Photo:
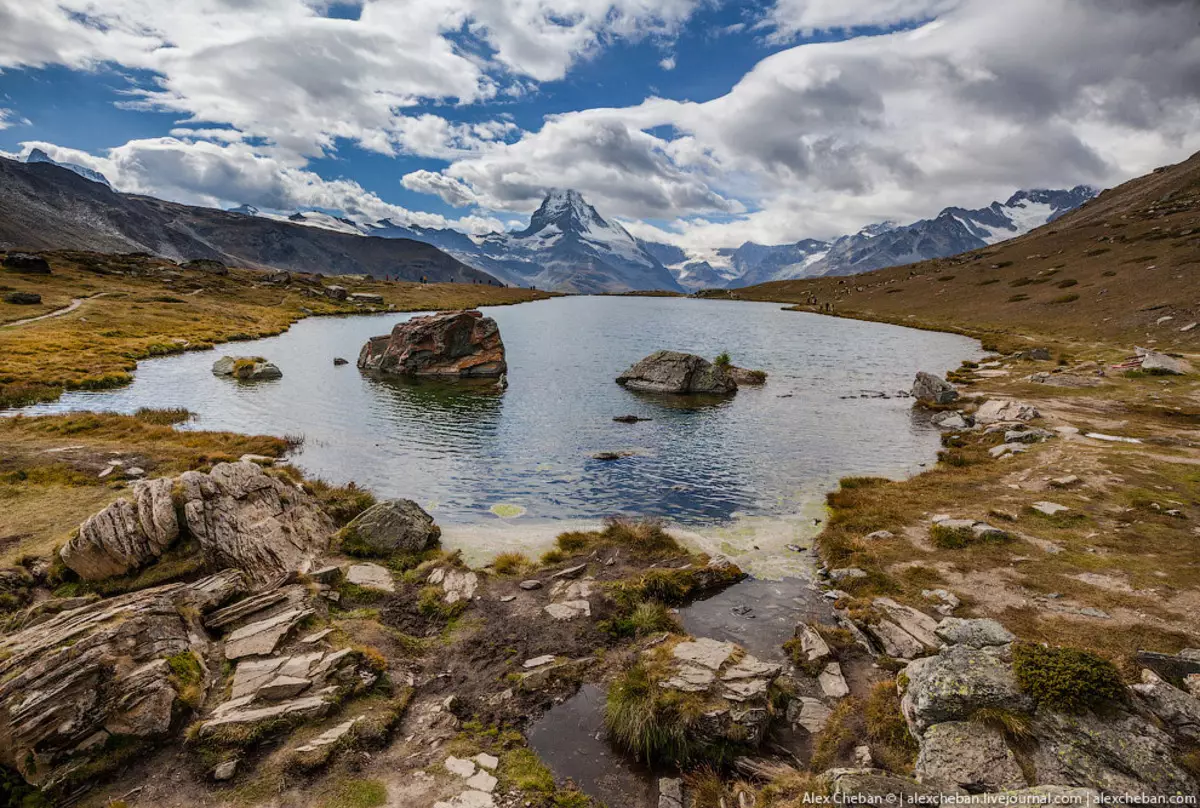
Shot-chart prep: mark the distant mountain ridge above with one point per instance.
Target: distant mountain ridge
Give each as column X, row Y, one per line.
column 955, row 230
column 47, row 206
column 39, row 156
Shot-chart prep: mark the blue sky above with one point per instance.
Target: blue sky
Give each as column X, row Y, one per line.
column 703, row 122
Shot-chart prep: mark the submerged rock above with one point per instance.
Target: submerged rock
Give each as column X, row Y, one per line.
column 450, row 344
column 751, row 378
column 679, row 373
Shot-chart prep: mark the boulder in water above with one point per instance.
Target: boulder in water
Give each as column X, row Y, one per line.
column 680, row 373
column 246, row 368
column 449, row 344
column 930, row 389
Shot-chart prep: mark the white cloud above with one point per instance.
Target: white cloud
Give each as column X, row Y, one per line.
column 821, row 139
column 791, row 17
column 667, row 63
column 8, row 118
column 222, row 175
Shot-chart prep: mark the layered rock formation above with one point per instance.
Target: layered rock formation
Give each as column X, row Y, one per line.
column 110, row 670
column 679, row 373
column 450, row 344
column 238, row 515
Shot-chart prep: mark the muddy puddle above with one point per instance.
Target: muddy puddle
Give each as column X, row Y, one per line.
column 758, row 614
column 570, row 740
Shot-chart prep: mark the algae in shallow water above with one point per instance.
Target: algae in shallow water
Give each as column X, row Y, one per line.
column 507, row 510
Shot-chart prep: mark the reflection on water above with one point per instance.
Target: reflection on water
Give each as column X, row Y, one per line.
column 460, row 449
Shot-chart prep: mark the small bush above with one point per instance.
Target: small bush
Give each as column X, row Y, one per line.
column 1067, row 283
column 164, row 417
column 1067, row 679
column 1018, row 298
column 1058, row 301
column 551, row 557
column 988, row 282
column 187, row 677
column 945, row 278
column 723, row 360
column 652, row 724
column 342, row 503
column 510, row 563
column 891, row 741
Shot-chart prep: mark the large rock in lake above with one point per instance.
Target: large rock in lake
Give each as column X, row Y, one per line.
column 239, row 516
column 674, row 372
column 931, row 389
column 246, row 368
column 449, row 344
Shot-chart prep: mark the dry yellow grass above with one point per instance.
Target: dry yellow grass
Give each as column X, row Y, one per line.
column 138, row 307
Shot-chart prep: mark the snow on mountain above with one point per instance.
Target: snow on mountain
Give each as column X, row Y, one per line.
column 953, row 231
column 39, row 156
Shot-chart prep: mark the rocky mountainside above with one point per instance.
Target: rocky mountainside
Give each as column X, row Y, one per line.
column 39, row 156
column 1120, row 266
column 47, row 206
column 886, row 244
column 568, row 246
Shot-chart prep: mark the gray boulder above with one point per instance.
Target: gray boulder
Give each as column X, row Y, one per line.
column 1178, row 711
column 394, row 526
column 680, row 373
column 952, row 685
column 979, row 633
column 968, row 755
column 931, row 389
column 1162, row 363
column 246, row 368
column 864, row 786
column 26, row 264
column 127, row 535
column 1121, row 754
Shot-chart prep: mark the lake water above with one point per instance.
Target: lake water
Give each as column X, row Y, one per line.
column 460, row 450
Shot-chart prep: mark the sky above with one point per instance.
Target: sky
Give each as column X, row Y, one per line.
column 703, row 123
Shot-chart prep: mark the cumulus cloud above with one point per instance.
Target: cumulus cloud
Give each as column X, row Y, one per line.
column 820, row 139
column 222, row 175
column 667, row 63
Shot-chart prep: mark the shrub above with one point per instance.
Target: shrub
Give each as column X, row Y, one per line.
column 644, row 538
column 1064, row 299
column 1067, row 679
column 1067, row 283
column 723, row 360
column 165, row 417
column 342, row 503
column 187, row 677
column 510, row 563
column 1018, row 298
column 653, row 724
column 892, row 743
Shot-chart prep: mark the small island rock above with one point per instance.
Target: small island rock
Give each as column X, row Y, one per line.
column 449, row 344
column 395, row 526
column 931, row 389
column 681, row 373
column 246, row 368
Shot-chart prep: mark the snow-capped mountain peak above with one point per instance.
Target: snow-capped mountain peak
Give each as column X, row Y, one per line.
column 39, row 156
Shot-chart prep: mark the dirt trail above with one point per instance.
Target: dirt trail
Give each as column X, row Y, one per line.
column 75, row 303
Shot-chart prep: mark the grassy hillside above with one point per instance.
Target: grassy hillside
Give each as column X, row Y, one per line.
column 1110, row 271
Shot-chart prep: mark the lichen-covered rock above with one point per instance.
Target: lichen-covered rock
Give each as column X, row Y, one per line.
column 449, row 344
column 968, row 755
column 1179, row 711
column 395, row 526
column 679, row 373
column 127, row 535
column 246, row 368
column 69, row 683
column 930, row 389
column 978, row 633
column 239, row 516
column 737, row 697
column 1121, row 754
column 954, row 684
column 863, row 786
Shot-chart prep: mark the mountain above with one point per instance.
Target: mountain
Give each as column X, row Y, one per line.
column 568, row 246
column 39, row 156
column 953, row 231
column 46, row 206
column 1119, row 268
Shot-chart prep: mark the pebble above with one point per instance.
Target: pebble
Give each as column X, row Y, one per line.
column 529, row 586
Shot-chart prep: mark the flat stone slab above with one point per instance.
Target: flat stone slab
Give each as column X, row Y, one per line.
column 538, row 662
column 746, row 689
column 261, row 638
column 469, row 799
column 306, row 707
column 812, row 643
column 812, row 714
column 1049, row 508
column 283, row 687
column 371, row 576
column 530, row 585
column 486, row 761
column 832, row 683
column 705, row 652
column 329, row 736
column 569, row 610
column 482, row 781
column 691, row 679
column 752, row 668
column 463, row 767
